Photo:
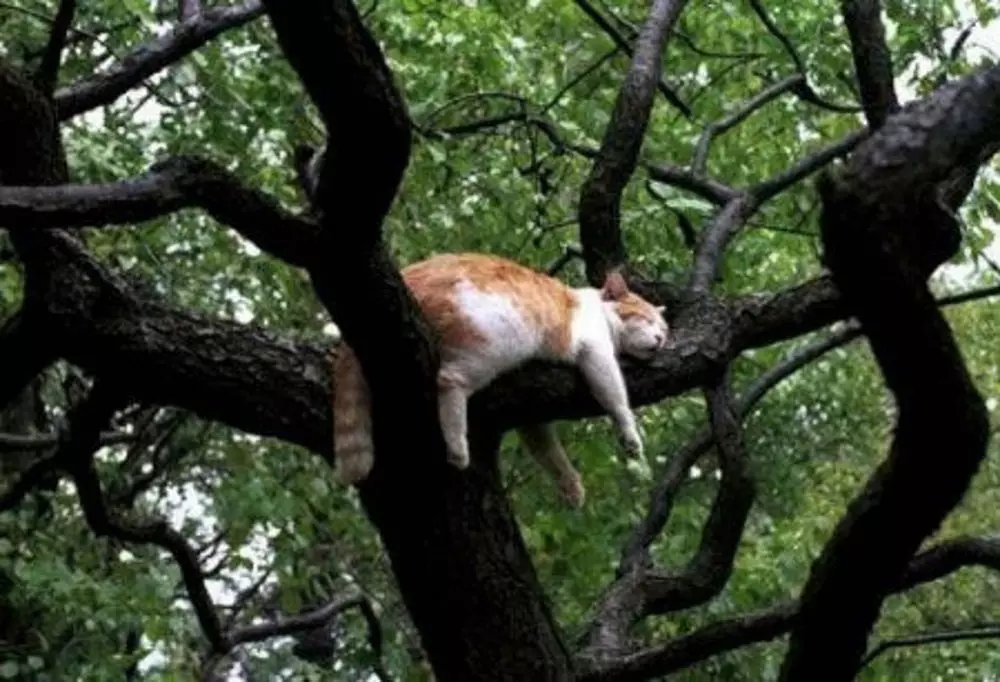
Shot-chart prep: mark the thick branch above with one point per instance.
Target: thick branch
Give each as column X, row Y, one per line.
column 169, row 186
column 882, row 238
column 872, row 60
column 48, row 70
column 600, row 197
column 24, row 352
column 146, row 60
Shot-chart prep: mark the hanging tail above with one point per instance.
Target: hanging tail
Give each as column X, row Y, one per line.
column 353, row 450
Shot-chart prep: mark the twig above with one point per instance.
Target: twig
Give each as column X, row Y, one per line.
column 716, row 128
column 569, row 254
column 984, row 632
column 773, row 186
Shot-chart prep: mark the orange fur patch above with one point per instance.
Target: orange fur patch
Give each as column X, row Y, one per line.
column 545, row 301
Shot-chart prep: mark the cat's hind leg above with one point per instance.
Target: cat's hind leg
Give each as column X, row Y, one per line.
column 543, row 443
column 453, row 398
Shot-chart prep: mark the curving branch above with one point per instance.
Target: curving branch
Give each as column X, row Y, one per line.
column 48, row 70
column 147, row 60
column 600, row 197
column 643, row 591
column 805, row 167
column 884, row 231
column 742, row 113
column 169, row 186
column 872, row 59
column 713, row 241
column 744, row 630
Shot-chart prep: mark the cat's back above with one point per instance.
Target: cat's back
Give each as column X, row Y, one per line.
column 475, row 299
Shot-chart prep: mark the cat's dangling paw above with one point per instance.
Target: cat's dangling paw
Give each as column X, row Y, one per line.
column 632, row 442
column 458, row 457
column 573, row 491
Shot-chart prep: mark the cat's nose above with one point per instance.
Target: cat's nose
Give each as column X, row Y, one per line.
column 661, row 339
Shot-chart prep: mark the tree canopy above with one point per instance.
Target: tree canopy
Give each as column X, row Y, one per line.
column 810, row 193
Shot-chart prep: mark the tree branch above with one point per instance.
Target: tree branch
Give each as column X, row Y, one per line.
column 25, row 352
column 883, row 234
column 600, row 197
column 805, row 167
column 48, row 70
column 984, row 632
column 713, row 242
column 170, row 185
column 716, row 128
column 872, row 60
column 624, row 45
column 146, row 60
column 745, row 629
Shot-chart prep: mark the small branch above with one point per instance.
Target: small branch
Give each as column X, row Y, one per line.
column 714, row 240
column 169, row 186
column 984, row 632
column 569, row 254
column 572, row 83
column 773, row 186
column 292, row 624
column 802, row 90
column 732, row 120
column 625, row 46
column 146, row 60
column 600, row 197
column 872, row 59
column 707, row 188
column 48, row 70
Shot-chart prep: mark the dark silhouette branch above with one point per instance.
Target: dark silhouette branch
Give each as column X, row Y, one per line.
column 147, row 60
column 169, row 186
column 713, row 241
column 644, row 591
column 21, row 442
column 600, row 197
column 48, row 70
column 805, row 167
column 983, row 632
column 25, row 352
column 746, row 629
column 884, row 231
column 624, row 44
column 742, row 113
column 872, row 59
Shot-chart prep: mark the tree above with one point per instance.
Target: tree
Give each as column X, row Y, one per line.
column 456, row 552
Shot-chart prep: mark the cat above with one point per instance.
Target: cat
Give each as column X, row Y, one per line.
column 492, row 315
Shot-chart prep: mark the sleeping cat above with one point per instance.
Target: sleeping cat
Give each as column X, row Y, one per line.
column 493, row 315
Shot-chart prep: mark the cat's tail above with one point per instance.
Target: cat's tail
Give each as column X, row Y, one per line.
column 353, row 450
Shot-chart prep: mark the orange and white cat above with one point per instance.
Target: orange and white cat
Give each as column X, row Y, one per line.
column 492, row 315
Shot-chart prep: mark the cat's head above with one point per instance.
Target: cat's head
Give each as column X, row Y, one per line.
column 643, row 331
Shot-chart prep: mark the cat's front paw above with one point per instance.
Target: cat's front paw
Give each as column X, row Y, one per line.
column 632, row 442
column 573, row 491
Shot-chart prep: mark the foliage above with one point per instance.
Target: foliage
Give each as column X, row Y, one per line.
column 259, row 507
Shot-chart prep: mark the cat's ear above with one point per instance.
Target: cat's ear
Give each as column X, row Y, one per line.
column 661, row 309
column 614, row 287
